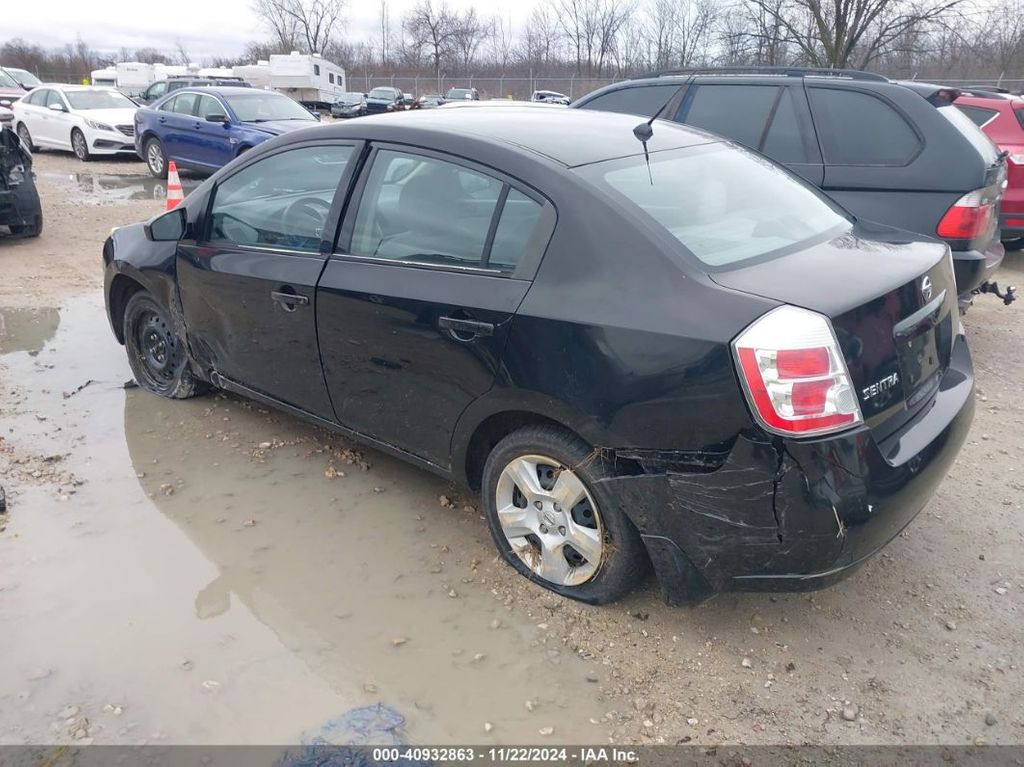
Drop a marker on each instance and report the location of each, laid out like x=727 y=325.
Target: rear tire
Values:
x=157 y=355
x=554 y=522
x=79 y=145
x=28 y=230
x=155 y=157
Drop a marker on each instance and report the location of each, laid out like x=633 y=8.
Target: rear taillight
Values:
x=794 y=374
x=969 y=217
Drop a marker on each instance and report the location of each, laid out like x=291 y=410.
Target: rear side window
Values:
x=978 y=115
x=723 y=204
x=739 y=112
x=518 y=220
x=856 y=128
x=183 y=104
x=37 y=97
x=641 y=100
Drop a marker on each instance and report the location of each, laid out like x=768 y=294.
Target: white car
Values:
x=84 y=119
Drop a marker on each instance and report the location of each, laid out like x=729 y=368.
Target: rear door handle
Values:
x=288 y=301
x=465 y=330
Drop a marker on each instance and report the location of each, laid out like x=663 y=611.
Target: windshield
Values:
x=382 y=93
x=6 y=81
x=724 y=204
x=25 y=77
x=261 y=107
x=85 y=100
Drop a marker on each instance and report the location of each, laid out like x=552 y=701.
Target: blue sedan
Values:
x=205 y=128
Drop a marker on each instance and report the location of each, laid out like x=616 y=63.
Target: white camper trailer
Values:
x=106 y=77
x=257 y=75
x=309 y=79
x=134 y=77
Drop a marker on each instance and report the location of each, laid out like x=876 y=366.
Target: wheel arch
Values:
x=122 y=288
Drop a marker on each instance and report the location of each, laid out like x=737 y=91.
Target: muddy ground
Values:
x=209 y=571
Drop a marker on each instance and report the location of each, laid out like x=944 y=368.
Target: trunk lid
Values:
x=892 y=301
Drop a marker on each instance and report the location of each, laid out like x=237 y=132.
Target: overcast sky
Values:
x=206 y=27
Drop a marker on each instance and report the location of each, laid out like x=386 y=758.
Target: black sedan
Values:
x=645 y=350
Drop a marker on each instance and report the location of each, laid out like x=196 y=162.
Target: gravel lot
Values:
x=175 y=572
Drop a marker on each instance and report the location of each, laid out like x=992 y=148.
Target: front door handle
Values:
x=289 y=301
x=465 y=330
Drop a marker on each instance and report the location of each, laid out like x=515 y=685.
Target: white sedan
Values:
x=85 y=119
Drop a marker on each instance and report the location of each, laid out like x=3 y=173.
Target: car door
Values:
x=177 y=126
x=770 y=118
x=33 y=112
x=58 y=122
x=215 y=141
x=247 y=284
x=414 y=307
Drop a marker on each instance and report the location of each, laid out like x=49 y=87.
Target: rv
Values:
x=257 y=75
x=309 y=79
x=106 y=77
x=134 y=77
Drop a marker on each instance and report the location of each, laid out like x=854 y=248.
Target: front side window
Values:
x=208 y=106
x=158 y=90
x=52 y=97
x=723 y=204
x=860 y=129
x=281 y=201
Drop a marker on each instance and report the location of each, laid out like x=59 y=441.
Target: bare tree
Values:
x=182 y=52
x=433 y=30
x=310 y=23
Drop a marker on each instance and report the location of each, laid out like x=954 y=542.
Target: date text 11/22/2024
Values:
x=502 y=754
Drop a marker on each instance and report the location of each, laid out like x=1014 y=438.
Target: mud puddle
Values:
x=206 y=571
x=110 y=188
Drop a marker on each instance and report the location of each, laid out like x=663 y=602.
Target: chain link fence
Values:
x=488 y=87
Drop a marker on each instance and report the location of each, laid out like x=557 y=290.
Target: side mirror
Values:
x=167 y=227
x=5 y=103
x=57 y=107
x=216 y=117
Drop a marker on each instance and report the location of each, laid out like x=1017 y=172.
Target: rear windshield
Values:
x=965 y=125
x=724 y=204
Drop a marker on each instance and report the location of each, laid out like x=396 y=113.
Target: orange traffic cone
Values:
x=175 y=194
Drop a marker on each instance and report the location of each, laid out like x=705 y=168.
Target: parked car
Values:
x=10 y=90
x=897 y=153
x=162 y=88
x=20 y=209
x=409 y=101
x=462 y=94
x=384 y=99
x=431 y=101
x=22 y=77
x=668 y=353
x=349 y=105
x=205 y=128
x=83 y=119
x=1002 y=120
x=550 y=97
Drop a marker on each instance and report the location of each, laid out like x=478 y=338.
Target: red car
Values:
x=1001 y=117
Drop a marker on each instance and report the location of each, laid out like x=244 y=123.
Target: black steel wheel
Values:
x=156 y=354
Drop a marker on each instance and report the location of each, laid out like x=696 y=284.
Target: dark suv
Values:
x=897 y=153
x=161 y=88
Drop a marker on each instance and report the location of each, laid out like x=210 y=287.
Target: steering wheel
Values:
x=307 y=210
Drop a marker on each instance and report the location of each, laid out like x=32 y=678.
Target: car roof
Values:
x=569 y=137
x=222 y=90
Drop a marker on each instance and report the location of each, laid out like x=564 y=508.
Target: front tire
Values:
x=156 y=158
x=79 y=145
x=156 y=354
x=553 y=520
x=26 y=137
x=28 y=230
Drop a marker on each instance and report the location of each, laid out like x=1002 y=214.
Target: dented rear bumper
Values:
x=792 y=515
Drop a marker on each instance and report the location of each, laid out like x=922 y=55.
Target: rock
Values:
x=399 y=641
x=167 y=489
x=445 y=502
x=951 y=625
x=648 y=723
x=80 y=733
x=747 y=663
x=850 y=712
x=592 y=677
x=1001 y=590
x=479 y=657
x=546 y=731
x=185 y=664
x=692 y=721
x=495 y=624
x=211 y=685
x=990 y=719
x=488 y=726
x=249 y=523
x=453 y=594
x=264 y=445
x=791 y=666
x=530 y=705
x=370 y=687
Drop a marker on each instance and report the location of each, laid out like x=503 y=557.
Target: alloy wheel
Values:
x=155 y=158
x=25 y=136
x=550 y=520
x=79 y=145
